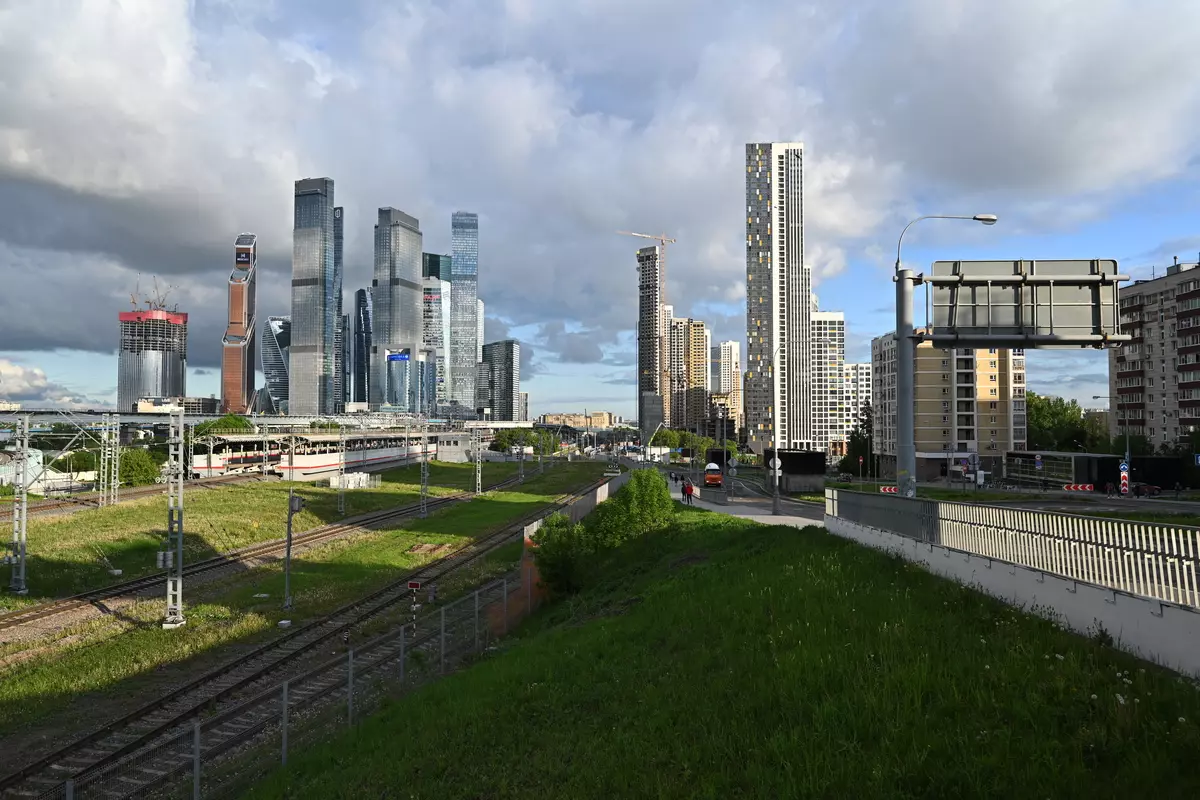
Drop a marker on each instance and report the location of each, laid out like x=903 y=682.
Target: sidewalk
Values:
x=794 y=514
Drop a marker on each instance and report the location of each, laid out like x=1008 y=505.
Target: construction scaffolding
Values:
x=171 y=556
x=16 y=557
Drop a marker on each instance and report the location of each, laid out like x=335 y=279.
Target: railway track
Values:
x=89 y=500
x=228 y=560
x=142 y=734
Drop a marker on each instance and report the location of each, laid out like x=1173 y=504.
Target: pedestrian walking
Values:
x=1178 y=489
x=690 y=489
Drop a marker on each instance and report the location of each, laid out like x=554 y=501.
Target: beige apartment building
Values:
x=593 y=419
x=969 y=406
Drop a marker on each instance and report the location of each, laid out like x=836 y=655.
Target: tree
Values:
x=1054 y=423
x=137 y=467
x=77 y=461
x=859 y=444
x=227 y=423
x=665 y=438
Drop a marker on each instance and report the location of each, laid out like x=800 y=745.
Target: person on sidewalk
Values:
x=687 y=492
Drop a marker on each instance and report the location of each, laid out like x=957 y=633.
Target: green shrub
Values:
x=562 y=550
x=643 y=505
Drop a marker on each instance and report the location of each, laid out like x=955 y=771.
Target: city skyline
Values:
x=554 y=179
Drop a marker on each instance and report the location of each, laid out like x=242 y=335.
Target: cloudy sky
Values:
x=139 y=137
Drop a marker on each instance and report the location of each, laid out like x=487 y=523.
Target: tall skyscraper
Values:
x=464 y=310
x=397 y=298
x=778 y=299
x=479 y=328
x=237 y=345
x=276 y=359
x=524 y=415
x=652 y=356
x=437 y=328
x=362 y=346
x=726 y=375
x=501 y=364
x=689 y=343
x=152 y=359
x=315 y=312
x=436 y=266
x=339 y=333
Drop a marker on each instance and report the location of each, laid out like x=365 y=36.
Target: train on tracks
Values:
x=309 y=456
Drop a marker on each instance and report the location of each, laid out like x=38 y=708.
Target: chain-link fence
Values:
x=224 y=754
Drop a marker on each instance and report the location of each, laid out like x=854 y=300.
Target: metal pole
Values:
x=20 y=506
x=196 y=761
x=776 y=505
x=69 y=789
x=424 y=472
x=442 y=642
x=505 y=587
x=283 y=722
x=349 y=687
x=477 y=619
x=906 y=448
x=287 y=554
x=342 y=470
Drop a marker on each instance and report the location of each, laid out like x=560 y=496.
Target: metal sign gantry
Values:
x=20 y=506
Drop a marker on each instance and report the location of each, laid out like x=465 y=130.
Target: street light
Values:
x=1110 y=398
x=906 y=447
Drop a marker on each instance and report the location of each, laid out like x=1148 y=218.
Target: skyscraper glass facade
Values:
x=464 y=311
x=362 y=346
x=397 y=325
x=437 y=329
x=339 y=336
x=237 y=345
x=314 y=306
x=437 y=266
x=276 y=345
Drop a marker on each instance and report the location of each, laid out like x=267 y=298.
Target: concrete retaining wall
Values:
x=1155 y=630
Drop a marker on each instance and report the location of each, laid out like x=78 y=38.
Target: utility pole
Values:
x=295 y=505
x=477 y=441
x=172 y=556
x=20 y=506
x=342 y=469
x=521 y=464
x=424 y=470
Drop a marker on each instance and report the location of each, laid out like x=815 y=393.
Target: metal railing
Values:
x=1143 y=558
x=224 y=754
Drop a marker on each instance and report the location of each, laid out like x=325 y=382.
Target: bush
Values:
x=137 y=468
x=643 y=505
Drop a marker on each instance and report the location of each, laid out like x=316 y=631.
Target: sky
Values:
x=138 y=138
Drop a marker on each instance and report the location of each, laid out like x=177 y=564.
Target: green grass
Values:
x=727 y=659
x=1165 y=518
x=227 y=613
x=70 y=554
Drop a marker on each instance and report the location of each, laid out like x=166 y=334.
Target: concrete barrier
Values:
x=1155 y=630
x=716 y=496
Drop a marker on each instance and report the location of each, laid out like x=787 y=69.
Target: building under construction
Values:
x=238 y=344
x=152 y=359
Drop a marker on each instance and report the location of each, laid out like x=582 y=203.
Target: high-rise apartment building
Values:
x=653 y=403
x=315 y=312
x=397 y=297
x=725 y=376
x=969 y=405
x=1155 y=378
x=778 y=299
x=360 y=392
x=339 y=333
x=152 y=356
x=828 y=404
x=524 y=415
x=464 y=309
x=856 y=386
x=237 y=345
x=501 y=365
x=688 y=347
x=437 y=328
x=276 y=359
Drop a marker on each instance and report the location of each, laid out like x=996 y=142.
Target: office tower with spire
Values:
x=315 y=314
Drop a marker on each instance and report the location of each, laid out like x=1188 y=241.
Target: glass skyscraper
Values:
x=362 y=346
x=276 y=344
x=339 y=334
x=397 y=297
x=464 y=313
x=315 y=312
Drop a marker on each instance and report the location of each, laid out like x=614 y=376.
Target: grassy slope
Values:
x=322 y=580
x=64 y=550
x=739 y=660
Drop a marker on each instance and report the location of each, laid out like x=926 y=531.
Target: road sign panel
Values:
x=733 y=462
x=1197 y=457
x=1019 y=303
x=1037 y=464
x=732 y=473
x=1124 y=467
x=889 y=489
x=1038 y=458
x=414 y=584
x=774 y=463
x=860 y=459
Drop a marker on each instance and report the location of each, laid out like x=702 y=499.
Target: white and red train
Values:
x=308 y=456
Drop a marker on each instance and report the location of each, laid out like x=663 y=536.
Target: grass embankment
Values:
x=726 y=659
x=73 y=553
x=140 y=659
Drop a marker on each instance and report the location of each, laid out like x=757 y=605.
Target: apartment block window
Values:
x=992 y=392
x=945 y=390
x=993 y=405
x=992 y=378
x=993 y=420
x=992 y=364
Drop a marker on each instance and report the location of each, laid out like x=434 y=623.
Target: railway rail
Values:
x=228 y=559
x=140 y=736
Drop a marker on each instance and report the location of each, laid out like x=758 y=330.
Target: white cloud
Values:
x=31 y=387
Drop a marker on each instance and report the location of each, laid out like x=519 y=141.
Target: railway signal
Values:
x=295 y=506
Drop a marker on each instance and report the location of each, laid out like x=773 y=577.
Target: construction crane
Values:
x=666 y=377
